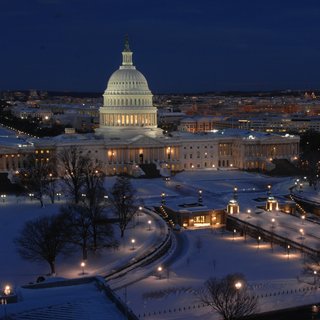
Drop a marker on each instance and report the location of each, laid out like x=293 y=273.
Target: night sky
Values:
x=179 y=45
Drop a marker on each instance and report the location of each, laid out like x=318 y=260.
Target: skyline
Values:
x=180 y=47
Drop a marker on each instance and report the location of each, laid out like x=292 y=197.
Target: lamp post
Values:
x=234 y=232
x=163 y=198
x=269 y=189
x=149 y=225
x=82 y=264
x=315 y=276
x=259 y=239
x=238 y=286
x=235 y=193
x=249 y=213
x=200 y=196
x=288 y=251
x=59 y=195
x=133 y=241
x=159 y=271
x=3 y=197
x=303 y=217
x=139 y=214
x=7 y=290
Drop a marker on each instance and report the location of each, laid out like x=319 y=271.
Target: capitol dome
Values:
x=127 y=101
x=127 y=81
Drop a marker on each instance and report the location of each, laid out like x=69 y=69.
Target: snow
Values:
x=197 y=254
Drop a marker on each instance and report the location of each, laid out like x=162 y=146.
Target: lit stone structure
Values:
x=127 y=101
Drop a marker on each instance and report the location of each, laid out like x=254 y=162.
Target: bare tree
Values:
x=43 y=239
x=74 y=164
x=35 y=176
x=123 y=201
x=79 y=223
x=229 y=296
x=88 y=227
x=94 y=201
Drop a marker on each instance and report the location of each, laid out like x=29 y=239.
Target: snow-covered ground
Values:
x=200 y=254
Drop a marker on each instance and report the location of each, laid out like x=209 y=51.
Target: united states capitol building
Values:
x=128 y=138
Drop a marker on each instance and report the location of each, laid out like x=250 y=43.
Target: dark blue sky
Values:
x=179 y=45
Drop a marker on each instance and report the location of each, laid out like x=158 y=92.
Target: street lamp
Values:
x=303 y=217
x=31 y=195
x=238 y=286
x=235 y=195
x=3 y=197
x=200 y=196
x=7 y=290
x=288 y=250
x=133 y=241
x=82 y=264
x=273 y=221
x=259 y=239
x=269 y=189
x=300 y=187
x=163 y=198
x=159 y=271
x=234 y=232
x=315 y=276
x=59 y=195
x=149 y=224
x=249 y=212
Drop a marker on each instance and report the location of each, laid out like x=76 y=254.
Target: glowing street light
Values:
x=163 y=198
x=315 y=276
x=133 y=241
x=288 y=250
x=149 y=225
x=238 y=285
x=200 y=196
x=7 y=290
x=159 y=271
x=235 y=193
x=249 y=212
x=234 y=232
x=259 y=239
x=3 y=197
x=269 y=189
x=82 y=264
x=303 y=217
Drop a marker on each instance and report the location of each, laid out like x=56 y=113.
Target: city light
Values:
x=82 y=265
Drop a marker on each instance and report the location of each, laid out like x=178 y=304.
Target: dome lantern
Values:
x=126 y=54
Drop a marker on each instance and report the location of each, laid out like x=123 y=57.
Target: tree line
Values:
x=82 y=222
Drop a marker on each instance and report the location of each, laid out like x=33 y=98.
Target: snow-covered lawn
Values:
x=203 y=254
